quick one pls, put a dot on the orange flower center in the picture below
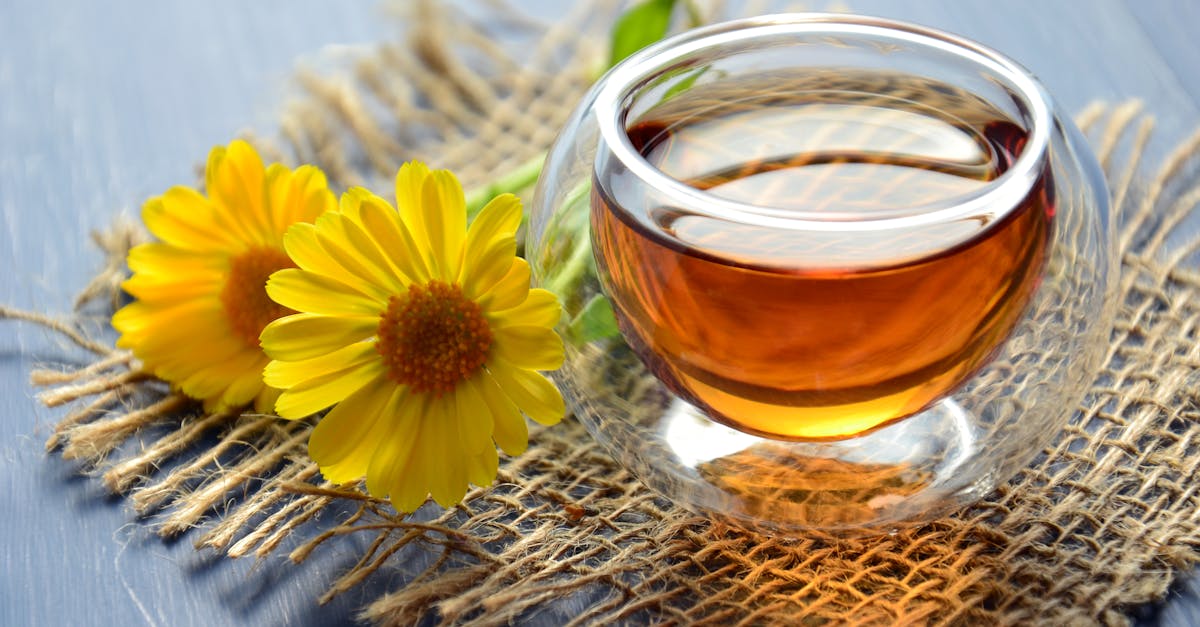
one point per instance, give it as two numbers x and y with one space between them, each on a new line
432 338
244 296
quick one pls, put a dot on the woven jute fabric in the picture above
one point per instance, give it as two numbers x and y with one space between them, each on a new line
1102 521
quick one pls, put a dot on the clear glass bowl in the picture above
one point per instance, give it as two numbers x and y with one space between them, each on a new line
823 272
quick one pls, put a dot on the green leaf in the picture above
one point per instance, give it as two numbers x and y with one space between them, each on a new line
595 322
643 24
685 83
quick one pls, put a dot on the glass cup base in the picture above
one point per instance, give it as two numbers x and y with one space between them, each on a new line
874 483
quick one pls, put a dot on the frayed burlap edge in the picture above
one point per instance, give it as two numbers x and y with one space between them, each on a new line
1102 522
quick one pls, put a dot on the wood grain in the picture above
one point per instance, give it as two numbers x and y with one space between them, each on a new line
100 107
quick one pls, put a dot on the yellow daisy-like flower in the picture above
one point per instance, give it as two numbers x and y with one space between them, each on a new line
200 290
423 334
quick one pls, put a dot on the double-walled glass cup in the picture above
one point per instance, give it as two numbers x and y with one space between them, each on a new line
823 272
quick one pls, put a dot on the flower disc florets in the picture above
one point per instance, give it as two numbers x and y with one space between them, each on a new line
432 338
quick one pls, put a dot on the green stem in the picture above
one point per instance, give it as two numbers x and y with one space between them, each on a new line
572 270
695 16
520 178
574 267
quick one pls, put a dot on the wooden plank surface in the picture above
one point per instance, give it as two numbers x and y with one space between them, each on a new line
1173 26
104 104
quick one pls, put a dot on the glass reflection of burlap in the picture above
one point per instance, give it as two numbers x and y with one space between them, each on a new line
1102 521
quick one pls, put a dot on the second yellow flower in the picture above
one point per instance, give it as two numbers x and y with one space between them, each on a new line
423 335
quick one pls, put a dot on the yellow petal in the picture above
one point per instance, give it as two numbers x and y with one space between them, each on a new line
393 237
183 218
367 250
189 345
498 220
136 318
245 388
303 247
473 417
234 179
285 374
540 309
396 445
481 467
444 210
282 196
485 269
510 291
300 243
315 394
139 322
447 469
532 392
176 358
351 201
532 348
356 463
168 262
333 234
264 402
154 290
212 379
345 472
205 385
299 196
509 428
501 217
410 486
315 293
410 180
304 336
212 404
341 432
315 198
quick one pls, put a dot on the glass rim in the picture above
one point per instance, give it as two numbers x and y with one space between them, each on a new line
997 197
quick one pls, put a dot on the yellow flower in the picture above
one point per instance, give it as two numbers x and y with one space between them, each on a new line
200 290
424 335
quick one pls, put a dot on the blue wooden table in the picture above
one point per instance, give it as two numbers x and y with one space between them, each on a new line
105 104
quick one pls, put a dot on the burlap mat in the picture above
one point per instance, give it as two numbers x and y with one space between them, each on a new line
1103 520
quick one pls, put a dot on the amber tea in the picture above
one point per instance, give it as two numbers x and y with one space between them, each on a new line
869 308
